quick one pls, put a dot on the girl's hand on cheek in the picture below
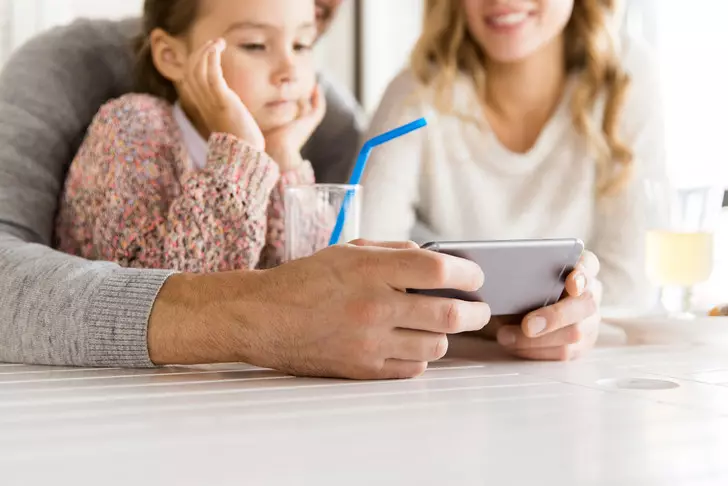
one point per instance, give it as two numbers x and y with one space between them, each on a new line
219 106
284 144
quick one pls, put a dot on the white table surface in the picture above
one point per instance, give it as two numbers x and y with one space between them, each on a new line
467 421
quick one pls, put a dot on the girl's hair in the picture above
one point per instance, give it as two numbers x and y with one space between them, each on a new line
174 17
447 48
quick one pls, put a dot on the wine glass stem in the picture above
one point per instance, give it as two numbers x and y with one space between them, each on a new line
687 299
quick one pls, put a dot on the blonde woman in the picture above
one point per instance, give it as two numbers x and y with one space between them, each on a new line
542 124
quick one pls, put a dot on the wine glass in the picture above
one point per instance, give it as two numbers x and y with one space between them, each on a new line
679 241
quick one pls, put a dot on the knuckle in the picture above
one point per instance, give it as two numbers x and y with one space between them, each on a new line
367 264
555 315
452 317
575 334
411 369
340 254
439 270
369 349
590 302
568 353
372 370
367 312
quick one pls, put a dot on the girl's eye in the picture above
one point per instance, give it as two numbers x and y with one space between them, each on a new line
251 46
301 47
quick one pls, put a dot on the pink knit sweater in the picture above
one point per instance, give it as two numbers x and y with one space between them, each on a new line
133 197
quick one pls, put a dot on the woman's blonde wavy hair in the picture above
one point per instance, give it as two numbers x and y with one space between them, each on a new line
446 49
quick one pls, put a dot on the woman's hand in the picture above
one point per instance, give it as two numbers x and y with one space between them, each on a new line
284 144
565 330
219 106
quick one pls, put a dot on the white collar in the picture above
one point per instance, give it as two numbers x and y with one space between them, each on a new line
195 144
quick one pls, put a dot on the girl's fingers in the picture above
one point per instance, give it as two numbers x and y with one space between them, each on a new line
318 100
201 75
215 80
318 104
191 79
303 109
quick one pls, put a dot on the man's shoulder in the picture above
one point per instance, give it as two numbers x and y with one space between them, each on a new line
87 59
88 33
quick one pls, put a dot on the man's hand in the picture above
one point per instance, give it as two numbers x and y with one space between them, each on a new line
340 313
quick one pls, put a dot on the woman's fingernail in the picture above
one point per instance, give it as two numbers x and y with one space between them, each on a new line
580 281
506 337
535 325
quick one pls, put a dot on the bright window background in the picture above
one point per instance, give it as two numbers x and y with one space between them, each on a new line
389 29
691 42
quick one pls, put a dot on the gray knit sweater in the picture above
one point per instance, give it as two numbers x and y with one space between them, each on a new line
54 308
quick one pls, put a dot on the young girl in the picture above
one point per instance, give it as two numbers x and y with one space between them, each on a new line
542 124
190 175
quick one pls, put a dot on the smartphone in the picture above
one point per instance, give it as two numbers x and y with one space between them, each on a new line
520 275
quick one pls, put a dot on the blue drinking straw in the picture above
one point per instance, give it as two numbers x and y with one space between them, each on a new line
361 162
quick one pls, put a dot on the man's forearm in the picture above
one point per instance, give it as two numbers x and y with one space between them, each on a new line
56 309
211 318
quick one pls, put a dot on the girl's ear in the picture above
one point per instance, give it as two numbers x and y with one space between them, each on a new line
169 55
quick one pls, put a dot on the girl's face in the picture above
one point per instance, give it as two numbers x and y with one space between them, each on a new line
268 62
510 31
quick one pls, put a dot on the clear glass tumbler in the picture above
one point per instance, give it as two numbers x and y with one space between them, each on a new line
311 214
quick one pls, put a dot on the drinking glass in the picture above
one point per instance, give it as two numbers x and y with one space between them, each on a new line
679 240
311 213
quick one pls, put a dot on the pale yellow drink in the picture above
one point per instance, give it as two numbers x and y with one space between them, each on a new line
681 259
